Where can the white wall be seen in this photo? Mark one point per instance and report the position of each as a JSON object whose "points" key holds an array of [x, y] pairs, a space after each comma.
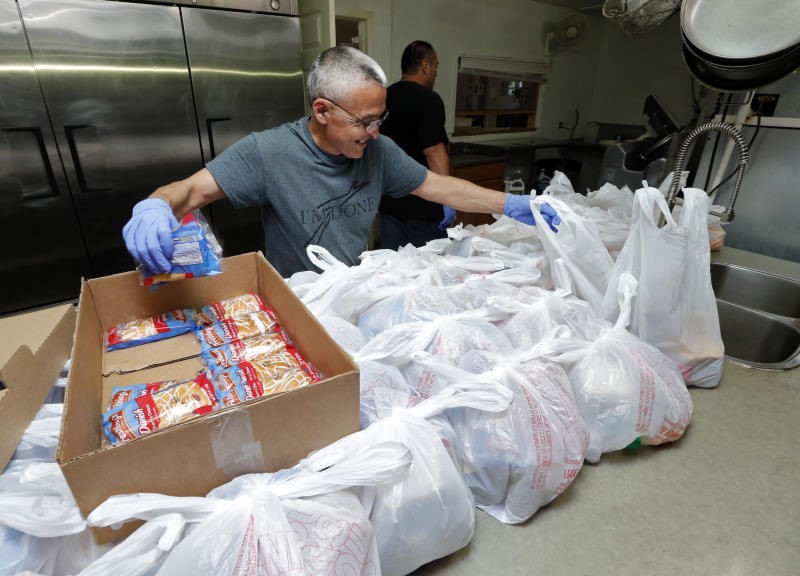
{"points": [[514, 28], [379, 33], [628, 69], [606, 75]]}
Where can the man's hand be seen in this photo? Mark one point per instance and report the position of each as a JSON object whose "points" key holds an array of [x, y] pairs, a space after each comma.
{"points": [[449, 218], [518, 207], [148, 234]]}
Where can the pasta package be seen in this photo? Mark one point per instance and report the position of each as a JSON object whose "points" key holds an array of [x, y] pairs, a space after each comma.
{"points": [[197, 252], [149, 412], [241, 383], [279, 372], [144, 330], [243, 350], [238, 328], [229, 308], [121, 394]]}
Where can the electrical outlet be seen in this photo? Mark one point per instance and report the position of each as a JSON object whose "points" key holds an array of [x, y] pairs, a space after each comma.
{"points": [[764, 104]]}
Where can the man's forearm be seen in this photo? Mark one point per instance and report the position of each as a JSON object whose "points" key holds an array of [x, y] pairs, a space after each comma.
{"points": [[461, 194], [438, 159], [183, 196]]}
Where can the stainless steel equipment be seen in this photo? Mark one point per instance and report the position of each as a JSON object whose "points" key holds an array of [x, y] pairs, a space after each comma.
{"points": [[243, 82], [740, 44], [727, 214], [103, 101], [759, 316], [630, 163]]}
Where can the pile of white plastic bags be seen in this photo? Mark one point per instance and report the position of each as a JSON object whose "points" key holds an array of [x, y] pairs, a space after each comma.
{"points": [[494, 364]]}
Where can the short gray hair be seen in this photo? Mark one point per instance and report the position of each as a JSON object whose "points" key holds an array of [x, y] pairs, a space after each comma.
{"points": [[338, 70]]}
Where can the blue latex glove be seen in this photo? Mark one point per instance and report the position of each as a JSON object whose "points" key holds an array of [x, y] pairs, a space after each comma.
{"points": [[518, 207], [148, 234], [449, 218]]}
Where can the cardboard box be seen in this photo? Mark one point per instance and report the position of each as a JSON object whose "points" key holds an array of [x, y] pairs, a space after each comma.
{"points": [[33, 350], [191, 458]]}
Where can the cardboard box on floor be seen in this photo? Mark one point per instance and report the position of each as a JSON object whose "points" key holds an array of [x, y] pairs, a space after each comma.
{"points": [[33, 350], [191, 458]]}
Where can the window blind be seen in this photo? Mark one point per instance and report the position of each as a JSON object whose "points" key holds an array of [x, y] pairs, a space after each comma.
{"points": [[507, 68]]}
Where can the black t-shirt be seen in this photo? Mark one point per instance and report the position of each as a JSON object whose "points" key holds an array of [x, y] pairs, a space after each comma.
{"points": [[415, 122]]}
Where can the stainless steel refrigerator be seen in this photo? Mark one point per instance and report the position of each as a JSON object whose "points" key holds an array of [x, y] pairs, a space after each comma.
{"points": [[103, 101]]}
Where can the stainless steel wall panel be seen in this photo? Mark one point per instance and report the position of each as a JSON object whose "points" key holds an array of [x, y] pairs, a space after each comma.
{"points": [[42, 256], [116, 82], [102, 101], [244, 82], [288, 7]]}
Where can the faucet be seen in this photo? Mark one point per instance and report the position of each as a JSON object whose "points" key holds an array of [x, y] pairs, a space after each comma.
{"points": [[727, 214]]}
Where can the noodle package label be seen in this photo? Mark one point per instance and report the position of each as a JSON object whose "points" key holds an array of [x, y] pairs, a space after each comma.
{"points": [[229, 308], [144, 330], [238, 328], [282, 371], [150, 412], [121, 394], [243, 350]]}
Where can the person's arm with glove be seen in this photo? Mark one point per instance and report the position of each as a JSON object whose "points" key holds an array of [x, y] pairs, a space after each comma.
{"points": [[148, 234], [469, 197], [438, 161], [518, 206]]}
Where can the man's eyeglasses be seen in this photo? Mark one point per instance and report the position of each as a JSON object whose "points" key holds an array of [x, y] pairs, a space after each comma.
{"points": [[368, 125]]}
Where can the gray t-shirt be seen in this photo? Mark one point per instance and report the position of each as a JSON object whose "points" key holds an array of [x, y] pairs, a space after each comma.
{"points": [[310, 197]]}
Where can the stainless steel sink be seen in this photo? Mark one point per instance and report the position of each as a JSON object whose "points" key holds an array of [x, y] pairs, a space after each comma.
{"points": [[759, 316], [756, 289]]}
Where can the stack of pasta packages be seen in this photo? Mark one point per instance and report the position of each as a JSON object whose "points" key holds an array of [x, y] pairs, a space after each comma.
{"points": [[245, 353]]}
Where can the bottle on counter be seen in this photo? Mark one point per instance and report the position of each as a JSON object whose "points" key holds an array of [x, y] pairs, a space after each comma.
{"points": [[542, 182]]}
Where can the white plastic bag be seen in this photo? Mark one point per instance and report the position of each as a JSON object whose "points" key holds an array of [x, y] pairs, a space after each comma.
{"points": [[40, 440], [518, 460], [427, 513], [142, 552], [347, 335], [579, 246], [22, 553], [534, 312], [626, 390], [35, 499], [675, 309], [382, 389], [447, 337], [291, 522], [414, 303]]}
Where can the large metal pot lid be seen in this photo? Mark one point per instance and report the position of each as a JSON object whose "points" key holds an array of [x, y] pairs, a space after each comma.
{"points": [[741, 29]]}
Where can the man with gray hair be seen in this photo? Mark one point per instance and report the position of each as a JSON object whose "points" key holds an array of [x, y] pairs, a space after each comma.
{"points": [[318, 180]]}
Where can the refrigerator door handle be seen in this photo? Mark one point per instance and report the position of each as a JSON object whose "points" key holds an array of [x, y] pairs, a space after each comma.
{"points": [[210, 129], [69, 132], [48, 167]]}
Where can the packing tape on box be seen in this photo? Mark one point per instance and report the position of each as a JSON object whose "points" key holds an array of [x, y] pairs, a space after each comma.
{"points": [[235, 450]]}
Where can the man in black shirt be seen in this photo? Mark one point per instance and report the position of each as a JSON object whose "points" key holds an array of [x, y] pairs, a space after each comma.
{"points": [[416, 124]]}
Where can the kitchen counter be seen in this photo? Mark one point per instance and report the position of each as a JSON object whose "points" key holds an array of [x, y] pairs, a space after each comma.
{"points": [[579, 160], [463, 160], [506, 145], [722, 500]]}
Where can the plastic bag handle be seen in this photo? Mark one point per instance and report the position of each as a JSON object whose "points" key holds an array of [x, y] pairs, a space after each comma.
{"points": [[398, 342], [652, 206], [139, 551], [372, 465], [121, 508], [479, 391], [627, 288], [322, 259]]}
